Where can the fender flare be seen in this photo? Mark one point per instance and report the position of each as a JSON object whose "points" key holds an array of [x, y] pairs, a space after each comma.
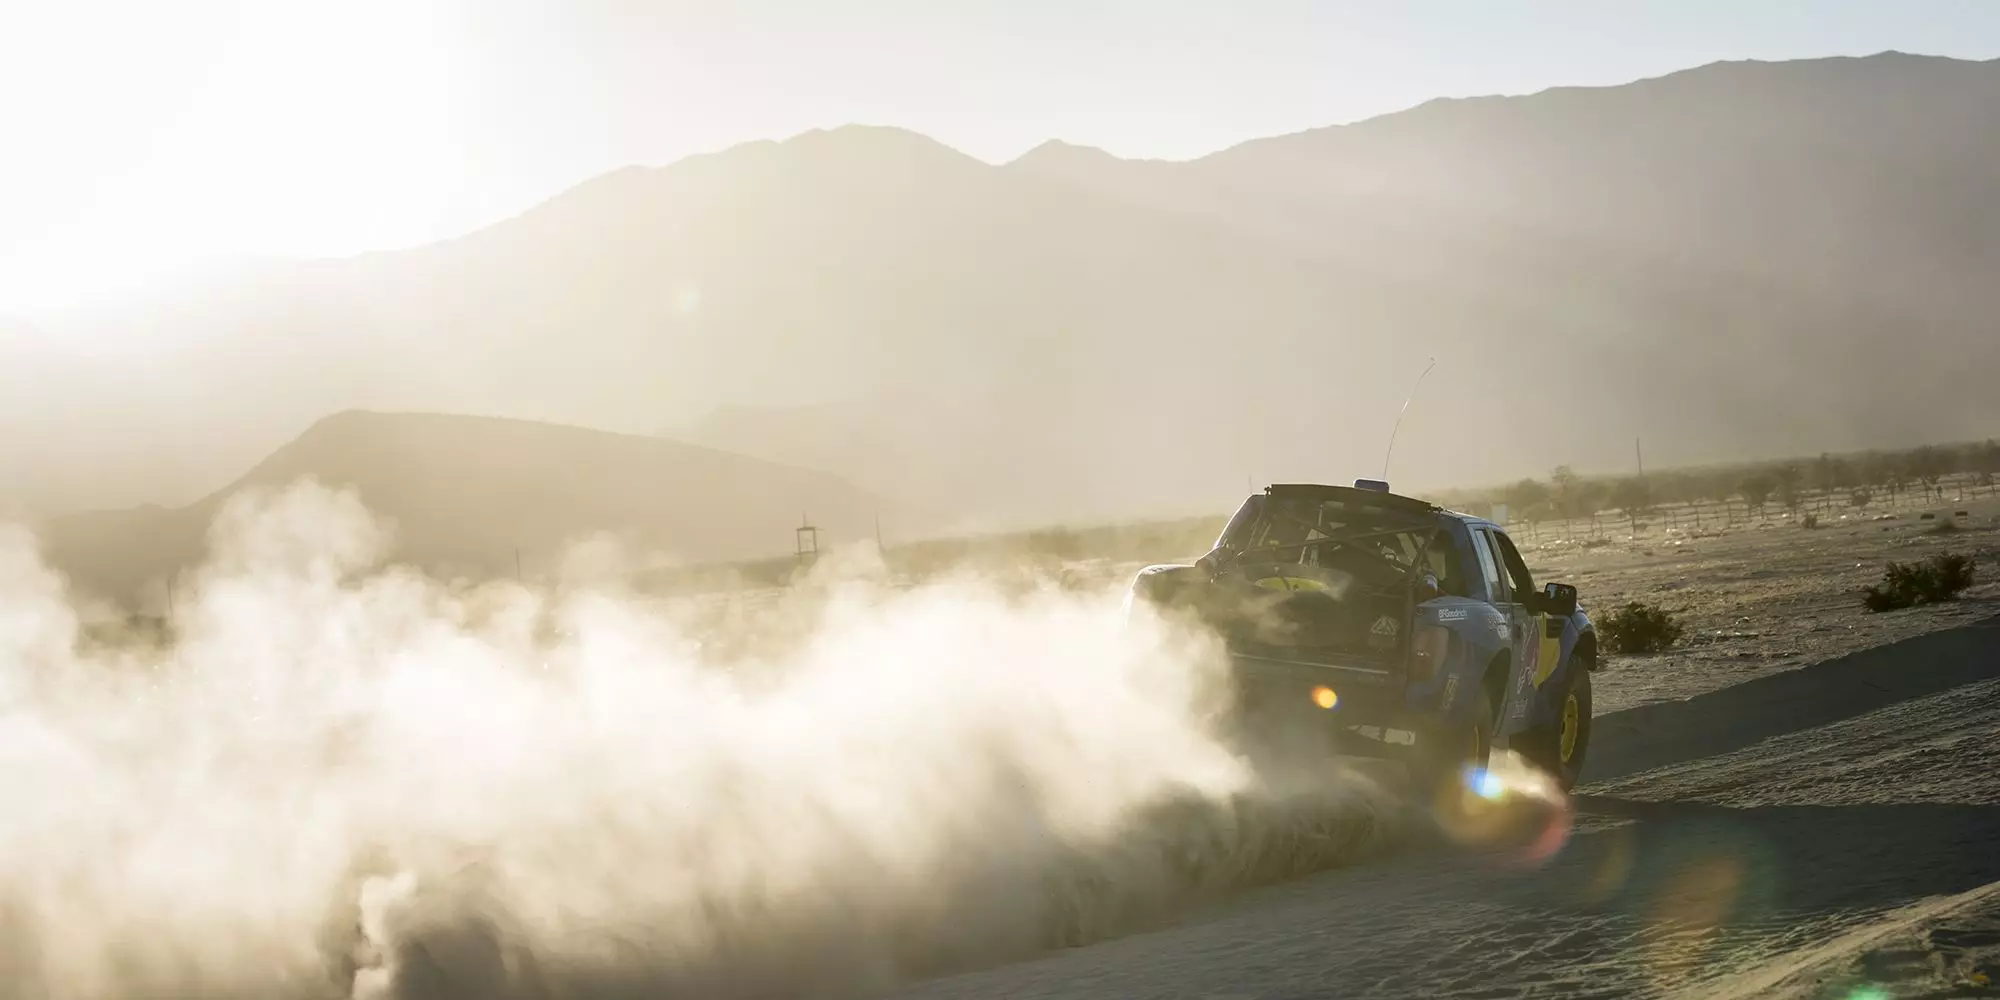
{"points": [[1578, 634]]}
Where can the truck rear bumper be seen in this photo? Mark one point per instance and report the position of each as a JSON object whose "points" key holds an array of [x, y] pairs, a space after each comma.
{"points": [[1365, 715]]}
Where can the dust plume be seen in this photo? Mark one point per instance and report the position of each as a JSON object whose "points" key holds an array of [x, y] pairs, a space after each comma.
{"points": [[347, 780]]}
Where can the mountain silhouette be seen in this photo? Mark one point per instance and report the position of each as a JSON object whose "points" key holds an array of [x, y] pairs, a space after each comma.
{"points": [[1738, 260], [465, 495]]}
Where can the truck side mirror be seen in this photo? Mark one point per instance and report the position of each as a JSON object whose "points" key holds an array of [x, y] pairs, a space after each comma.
{"points": [[1558, 599]]}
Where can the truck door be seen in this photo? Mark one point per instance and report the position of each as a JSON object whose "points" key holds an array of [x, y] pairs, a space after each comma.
{"points": [[1524, 629], [1544, 637]]}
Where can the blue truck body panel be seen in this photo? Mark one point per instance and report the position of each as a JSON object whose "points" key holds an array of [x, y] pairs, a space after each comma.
{"points": [[1521, 658]]}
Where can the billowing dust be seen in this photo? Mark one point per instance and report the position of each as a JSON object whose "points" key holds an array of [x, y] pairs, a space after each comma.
{"points": [[348, 780]]}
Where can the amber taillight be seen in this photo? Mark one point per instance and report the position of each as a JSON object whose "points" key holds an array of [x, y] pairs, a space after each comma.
{"points": [[1427, 652]]}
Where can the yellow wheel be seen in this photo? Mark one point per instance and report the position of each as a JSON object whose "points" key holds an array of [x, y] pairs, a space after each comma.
{"points": [[1560, 745]]}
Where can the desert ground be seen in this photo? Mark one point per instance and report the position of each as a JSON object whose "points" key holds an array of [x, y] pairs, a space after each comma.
{"points": [[345, 781], [1802, 800]]}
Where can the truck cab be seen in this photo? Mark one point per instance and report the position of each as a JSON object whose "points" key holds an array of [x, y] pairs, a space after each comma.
{"points": [[1391, 626]]}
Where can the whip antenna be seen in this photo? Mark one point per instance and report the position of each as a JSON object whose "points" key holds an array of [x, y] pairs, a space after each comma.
{"points": [[1399, 418]]}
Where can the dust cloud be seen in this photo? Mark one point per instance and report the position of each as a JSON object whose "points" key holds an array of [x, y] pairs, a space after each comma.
{"points": [[344, 779]]}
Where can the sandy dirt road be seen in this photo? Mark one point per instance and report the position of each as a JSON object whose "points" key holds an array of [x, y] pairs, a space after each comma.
{"points": [[1801, 800], [1828, 831]]}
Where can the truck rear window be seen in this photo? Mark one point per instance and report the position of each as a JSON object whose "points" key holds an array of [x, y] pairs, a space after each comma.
{"points": [[1333, 533]]}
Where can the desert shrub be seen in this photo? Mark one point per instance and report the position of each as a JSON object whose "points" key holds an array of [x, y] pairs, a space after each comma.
{"points": [[1939, 578], [1809, 522], [1639, 628]]}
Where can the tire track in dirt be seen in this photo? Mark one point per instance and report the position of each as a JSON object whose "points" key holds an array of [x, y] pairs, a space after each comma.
{"points": [[1923, 964]]}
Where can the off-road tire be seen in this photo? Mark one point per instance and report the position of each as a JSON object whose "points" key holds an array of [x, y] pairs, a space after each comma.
{"points": [[1560, 748], [1438, 768]]}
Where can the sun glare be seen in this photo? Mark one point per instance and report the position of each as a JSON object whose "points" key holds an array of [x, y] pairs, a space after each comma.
{"points": [[280, 129]]}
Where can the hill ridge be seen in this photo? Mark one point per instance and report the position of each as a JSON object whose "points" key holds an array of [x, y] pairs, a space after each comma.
{"points": [[466, 493], [1750, 266]]}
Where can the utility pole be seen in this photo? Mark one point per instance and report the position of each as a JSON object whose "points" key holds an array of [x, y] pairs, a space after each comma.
{"points": [[807, 538], [517, 566], [1640, 457]]}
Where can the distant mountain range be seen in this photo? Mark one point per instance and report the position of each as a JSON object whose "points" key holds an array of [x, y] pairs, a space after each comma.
{"points": [[466, 496], [1738, 260]]}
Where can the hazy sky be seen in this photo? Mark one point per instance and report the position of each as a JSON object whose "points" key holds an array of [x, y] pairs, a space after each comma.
{"points": [[143, 136]]}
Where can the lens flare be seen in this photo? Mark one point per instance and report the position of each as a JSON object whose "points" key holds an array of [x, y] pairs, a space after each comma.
{"points": [[1510, 808], [1613, 870], [1324, 697], [1488, 785]]}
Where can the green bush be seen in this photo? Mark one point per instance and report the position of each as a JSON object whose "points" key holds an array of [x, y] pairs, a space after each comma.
{"points": [[1639, 628], [1939, 578]]}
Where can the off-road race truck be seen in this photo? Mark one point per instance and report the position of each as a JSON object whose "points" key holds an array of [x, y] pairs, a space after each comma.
{"points": [[1390, 627]]}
